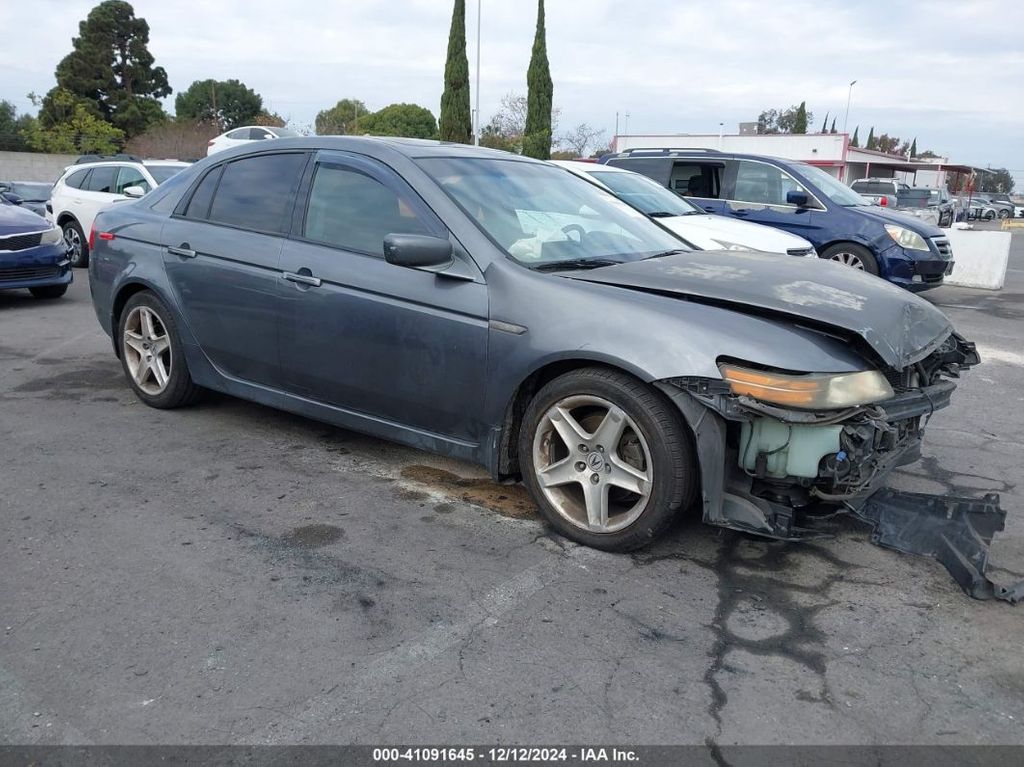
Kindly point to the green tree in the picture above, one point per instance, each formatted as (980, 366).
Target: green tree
(781, 121)
(537, 136)
(855, 142)
(339, 119)
(409, 120)
(995, 180)
(824, 125)
(871, 143)
(78, 131)
(13, 127)
(800, 122)
(456, 118)
(110, 71)
(228, 103)
(913, 148)
(833, 129)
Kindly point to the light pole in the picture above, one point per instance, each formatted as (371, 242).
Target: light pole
(721, 133)
(476, 120)
(849, 96)
(625, 128)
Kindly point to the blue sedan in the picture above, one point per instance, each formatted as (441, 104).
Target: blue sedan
(32, 253)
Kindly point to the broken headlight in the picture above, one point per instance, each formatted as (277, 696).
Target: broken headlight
(808, 391)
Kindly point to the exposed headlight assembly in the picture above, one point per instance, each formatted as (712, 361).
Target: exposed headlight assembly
(808, 391)
(52, 236)
(906, 238)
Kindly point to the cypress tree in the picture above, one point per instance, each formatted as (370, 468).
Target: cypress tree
(833, 125)
(913, 148)
(854, 141)
(800, 122)
(537, 136)
(871, 144)
(456, 118)
(824, 125)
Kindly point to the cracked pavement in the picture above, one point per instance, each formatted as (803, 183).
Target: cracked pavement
(233, 574)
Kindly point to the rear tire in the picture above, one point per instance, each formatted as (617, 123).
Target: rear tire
(49, 291)
(853, 255)
(152, 355)
(78, 246)
(624, 468)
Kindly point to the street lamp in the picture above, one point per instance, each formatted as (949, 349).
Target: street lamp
(849, 96)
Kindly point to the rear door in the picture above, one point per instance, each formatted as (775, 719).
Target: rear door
(99, 190)
(223, 255)
(394, 343)
(700, 181)
(756, 191)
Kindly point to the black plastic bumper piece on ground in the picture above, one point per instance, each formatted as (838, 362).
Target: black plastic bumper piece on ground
(955, 531)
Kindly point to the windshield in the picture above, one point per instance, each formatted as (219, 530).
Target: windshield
(832, 187)
(161, 173)
(539, 214)
(285, 133)
(644, 193)
(30, 192)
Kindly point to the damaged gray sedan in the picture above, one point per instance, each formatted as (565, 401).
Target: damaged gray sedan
(496, 309)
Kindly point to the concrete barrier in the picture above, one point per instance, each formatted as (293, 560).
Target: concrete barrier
(32, 166)
(980, 256)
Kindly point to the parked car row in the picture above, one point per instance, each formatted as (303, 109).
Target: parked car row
(502, 310)
(894, 194)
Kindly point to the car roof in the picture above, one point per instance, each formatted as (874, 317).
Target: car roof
(582, 166)
(376, 146)
(669, 153)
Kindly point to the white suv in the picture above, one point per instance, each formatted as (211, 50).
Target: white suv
(89, 185)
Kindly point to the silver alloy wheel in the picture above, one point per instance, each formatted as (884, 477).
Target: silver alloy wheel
(592, 463)
(846, 258)
(147, 350)
(73, 241)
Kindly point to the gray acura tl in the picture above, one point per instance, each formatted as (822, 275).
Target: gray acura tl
(497, 309)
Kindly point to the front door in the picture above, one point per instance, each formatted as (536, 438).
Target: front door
(756, 192)
(223, 249)
(398, 344)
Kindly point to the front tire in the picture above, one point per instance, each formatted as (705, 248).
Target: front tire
(608, 460)
(151, 353)
(49, 291)
(853, 255)
(78, 246)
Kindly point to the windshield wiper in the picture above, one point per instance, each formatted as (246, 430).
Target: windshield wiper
(661, 214)
(667, 253)
(576, 263)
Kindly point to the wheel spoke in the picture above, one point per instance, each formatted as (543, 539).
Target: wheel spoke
(134, 342)
(596, 497)
(561, 473)
(568, 428)
(148, 330)
(628, 477)
(610, 431)
(159, 371)
(160, 345)
(141, 372)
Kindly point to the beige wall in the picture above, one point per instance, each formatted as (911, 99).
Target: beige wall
(32, 166)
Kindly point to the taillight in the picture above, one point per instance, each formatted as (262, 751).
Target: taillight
(92, 237)
(884, 201)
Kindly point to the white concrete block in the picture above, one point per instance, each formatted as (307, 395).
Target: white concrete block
(980, 258)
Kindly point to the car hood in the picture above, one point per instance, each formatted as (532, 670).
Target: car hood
(710, 232)
(897, 325)
(15, 219)
(886, 216)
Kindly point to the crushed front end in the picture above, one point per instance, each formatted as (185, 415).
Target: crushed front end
(771, 465)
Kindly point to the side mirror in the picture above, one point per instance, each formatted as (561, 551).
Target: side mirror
(797, 198)
(417, 251)
(135, 192)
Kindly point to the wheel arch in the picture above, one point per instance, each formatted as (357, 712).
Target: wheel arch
(121, 298)
(506, 459)
(64, 217)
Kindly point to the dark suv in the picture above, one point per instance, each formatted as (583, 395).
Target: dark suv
(806, 201)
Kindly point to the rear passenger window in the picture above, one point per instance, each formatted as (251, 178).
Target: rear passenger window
(351, 210)
(102, 179)
(258, 192)
(199, 205)
(695, 180)
(77, 179)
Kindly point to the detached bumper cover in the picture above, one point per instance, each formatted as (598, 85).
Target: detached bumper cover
(957, 532)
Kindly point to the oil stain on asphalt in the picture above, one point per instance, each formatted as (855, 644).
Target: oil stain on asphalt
(508, 500)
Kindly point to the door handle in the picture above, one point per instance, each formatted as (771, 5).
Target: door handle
(183, 251)
(303, 279)
(740, 213)
(710, 208)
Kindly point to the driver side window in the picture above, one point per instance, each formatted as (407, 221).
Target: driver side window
(763, 184)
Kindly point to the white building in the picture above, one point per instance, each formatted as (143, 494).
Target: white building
(829, 151)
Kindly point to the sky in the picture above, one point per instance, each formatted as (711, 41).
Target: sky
(950, 74)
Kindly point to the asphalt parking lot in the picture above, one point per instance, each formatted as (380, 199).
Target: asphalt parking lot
(233, 574)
